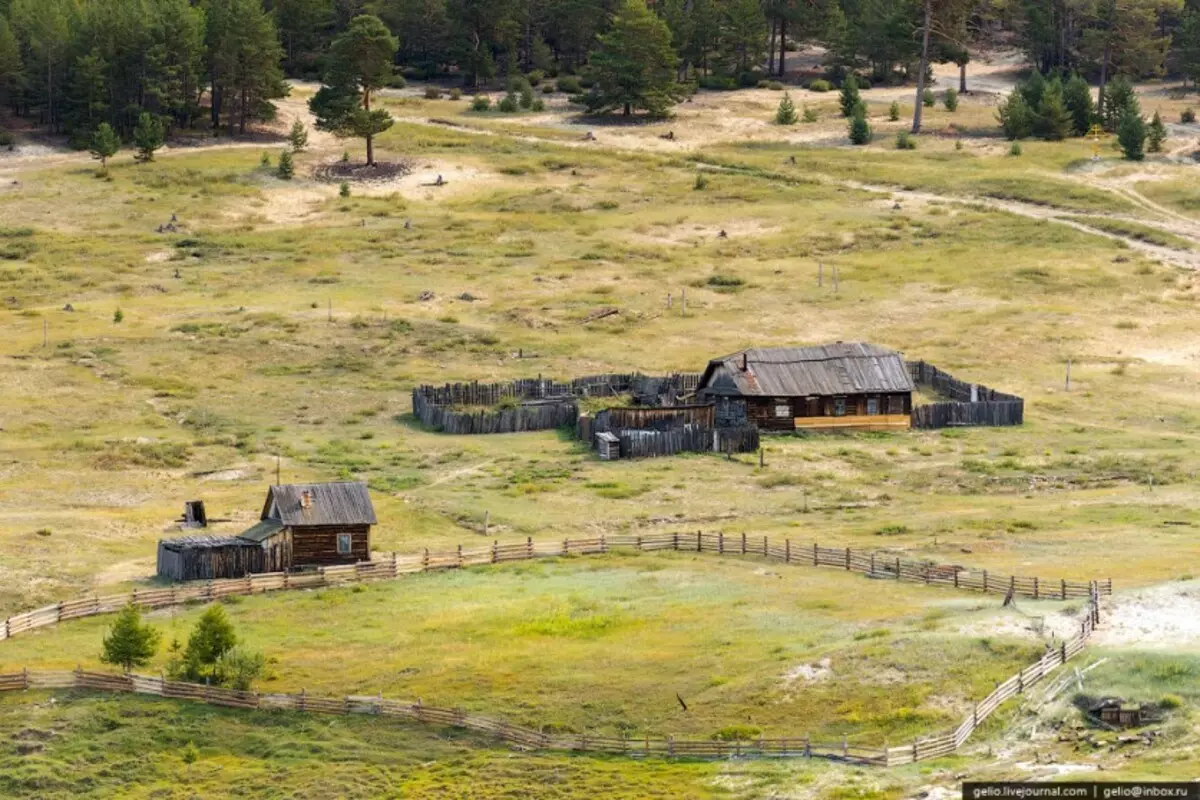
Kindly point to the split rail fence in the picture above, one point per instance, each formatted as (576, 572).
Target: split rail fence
(872, 564)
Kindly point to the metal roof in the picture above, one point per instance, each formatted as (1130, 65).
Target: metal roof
(330, 504)
(203, 542)
(832, 369)
(261, 531)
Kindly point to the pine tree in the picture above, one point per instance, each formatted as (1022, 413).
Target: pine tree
(1118, 97)
(1156, 134)
(786, 113)
(633, 65)
(1077, 96)
(1054, 123)
(12, 68)
(850, 99)
(129, 643)
(212, 637)
(1131, 133)
(860, 128)
(104, 145)
(148, 136)
(360, 62)
(286, 169)
(243, 61)
(950, 99)
(1015, 117)
(1033, 89)
(298, 137)
(894, 111)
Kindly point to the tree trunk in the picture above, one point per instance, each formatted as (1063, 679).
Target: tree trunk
(919, 105)
(782, 45)
(771, 47)
(962, 78)
(370, 136)
(628, 109)
(1112, 11)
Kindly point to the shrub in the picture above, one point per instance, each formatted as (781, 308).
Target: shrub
(720, 83)
(950, 99)
(894, 111)
(343, 189)
(820, 85)
(6, 140)
(701, 182)
(118, 317)
(456, 94)
(433, 93)
(397, 81)
(810, 115)
(737, 733)
(775, 86)
(1187, 117)
(526, 96)
(547, 88)
(905, 141)
(538, 105)
(786, 113)
(535, 77)
(286, 169)
(265, 161)
(345, 156)
(860, 129)
(212, 638)
(928, 98)
(508, 105)
(1015, 149)
(238, 667)
(720, 279)
(569, 84)
(850, 99)
(1014, 117)
(1156, 134)
(481, 103)
(958, 145)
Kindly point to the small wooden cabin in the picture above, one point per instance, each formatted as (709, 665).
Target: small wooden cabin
(301, 525)
(608, 446)
(842, 386)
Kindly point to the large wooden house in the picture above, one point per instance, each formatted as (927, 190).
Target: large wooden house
(301, 525)
(843, 386)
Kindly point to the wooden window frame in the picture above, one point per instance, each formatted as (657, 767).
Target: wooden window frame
(873, 402)
(839, 406)
(348, 538)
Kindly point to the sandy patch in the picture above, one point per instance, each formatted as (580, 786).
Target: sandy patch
(809, 673)
(1161, 616)
(422, 182)
(226, 475)
(694, 234)
(159, 256)
(126, 571)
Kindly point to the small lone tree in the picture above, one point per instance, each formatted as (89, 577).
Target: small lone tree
(634, 65)
(129, 643)
(786, 113)
(298, 137)
(850, 98)
(1078, 97)
(894, 111)
(189, 756)
(360, 62)
(1156, 134)
(928, 98)
(860, 128)
(212, 638)
(1131, 133)
(1015, 117)
(104, 145)
(148, 136)
(285, 170)
(1054, 122)
(950, 99)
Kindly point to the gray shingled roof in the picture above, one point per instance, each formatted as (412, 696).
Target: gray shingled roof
(332, 504)
(833, 369)
(203, 542)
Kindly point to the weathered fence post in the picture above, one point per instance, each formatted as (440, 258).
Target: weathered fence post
(1036, 589)
(460, 558)
(807, 746)
(637, 543)
(495, 544)
(721, 543)
(425, 560)
(25, 677)
(872, 563)
(816, 559)
(671, 745)
(985, 585)
(847, 559)
(743, 544)
(603, 544)
(675, 541)
(764, 545)
(787, 551)
(916, 751)
(1063, 584)
(697, 541)
(1012, 585)
(566, 547)
(845, 747)
(529, 547)
(897, 567)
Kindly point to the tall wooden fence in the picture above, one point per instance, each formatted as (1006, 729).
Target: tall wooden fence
(875, 564)
(543, 404)
(970, 404)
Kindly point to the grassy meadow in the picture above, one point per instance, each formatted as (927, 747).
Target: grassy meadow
(283, 324)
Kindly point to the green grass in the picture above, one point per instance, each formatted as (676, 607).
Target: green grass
(603, 645)
(1138, 231)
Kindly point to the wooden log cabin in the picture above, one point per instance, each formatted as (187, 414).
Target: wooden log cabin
(842, 386)
(301, 525)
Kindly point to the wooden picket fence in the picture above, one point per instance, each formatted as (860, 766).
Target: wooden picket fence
(872, 564)
(969, 404)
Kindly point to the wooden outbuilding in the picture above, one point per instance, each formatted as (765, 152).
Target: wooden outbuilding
(301, 525)
(842, 386)
(608, 446)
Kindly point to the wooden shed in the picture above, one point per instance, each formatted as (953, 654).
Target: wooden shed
(842, 386)
(301, 525)
(608, 445)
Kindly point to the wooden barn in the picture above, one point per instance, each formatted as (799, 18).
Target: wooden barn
(301, 525)
(843, 386)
